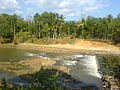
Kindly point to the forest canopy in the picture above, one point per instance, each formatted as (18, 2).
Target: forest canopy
(53, 25)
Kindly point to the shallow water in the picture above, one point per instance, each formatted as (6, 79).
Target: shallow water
(85, 67)
(13, 54)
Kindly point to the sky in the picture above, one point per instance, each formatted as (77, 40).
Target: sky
(71, 9)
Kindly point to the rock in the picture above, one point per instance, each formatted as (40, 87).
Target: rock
(110, 82)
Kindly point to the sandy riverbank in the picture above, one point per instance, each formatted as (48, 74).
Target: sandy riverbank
(82, 46)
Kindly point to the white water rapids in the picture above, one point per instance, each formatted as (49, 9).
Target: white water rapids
(86, 69)
(85, 65)
(91, 65)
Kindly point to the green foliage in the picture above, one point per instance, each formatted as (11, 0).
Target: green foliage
(42, 80)
(52, 25)
(32, 40)
(116, 69)
(3, 82)
(7, 40)
(112, 63)
(45, 80)
(22, 36)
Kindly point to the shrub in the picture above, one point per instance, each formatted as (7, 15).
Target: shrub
(46, 80)
(32, 40)
(7, 40)
(3, 82)
(23, 36)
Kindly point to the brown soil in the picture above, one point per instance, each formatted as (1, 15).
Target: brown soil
(85, 46)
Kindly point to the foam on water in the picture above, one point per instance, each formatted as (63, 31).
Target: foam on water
(31, 54)
(86, 70)
(69, 63)
(43, 57)
(89, 62)
(77, 56)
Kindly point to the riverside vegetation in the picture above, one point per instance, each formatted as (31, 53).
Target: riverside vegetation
(41, 80)
(48, 27)
(110, 69)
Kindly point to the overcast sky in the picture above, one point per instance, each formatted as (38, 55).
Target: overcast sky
(71, 9)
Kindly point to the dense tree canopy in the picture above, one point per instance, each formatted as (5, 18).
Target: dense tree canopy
(53, 25)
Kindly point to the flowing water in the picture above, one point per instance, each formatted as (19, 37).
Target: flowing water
(85, 67)
(86, 70)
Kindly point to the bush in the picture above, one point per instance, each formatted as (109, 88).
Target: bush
(32, 40)
(23, 36)
(7, 40)
(46, 80)
(3, 82)
(112, 65)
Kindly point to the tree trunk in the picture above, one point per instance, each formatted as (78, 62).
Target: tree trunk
(39, 31)
(14, 31)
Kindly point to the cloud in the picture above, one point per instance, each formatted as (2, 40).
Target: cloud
(19, 12)
(9, 5)
(69, 7)
(64, 3)
(30, 10)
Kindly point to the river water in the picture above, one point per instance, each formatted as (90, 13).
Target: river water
(85, 67)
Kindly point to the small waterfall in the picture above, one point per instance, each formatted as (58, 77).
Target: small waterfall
(91, 64)
(86, 69)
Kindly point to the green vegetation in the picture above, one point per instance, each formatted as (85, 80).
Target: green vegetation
(15, 29)
(47, 28)
(46, 79)
(111, 66)
(41, 80)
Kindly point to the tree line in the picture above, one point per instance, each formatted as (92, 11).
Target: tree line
(53, 25)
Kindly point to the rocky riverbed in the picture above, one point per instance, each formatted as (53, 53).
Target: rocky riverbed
(110, 72)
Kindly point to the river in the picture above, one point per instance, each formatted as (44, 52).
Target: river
(85, 67)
